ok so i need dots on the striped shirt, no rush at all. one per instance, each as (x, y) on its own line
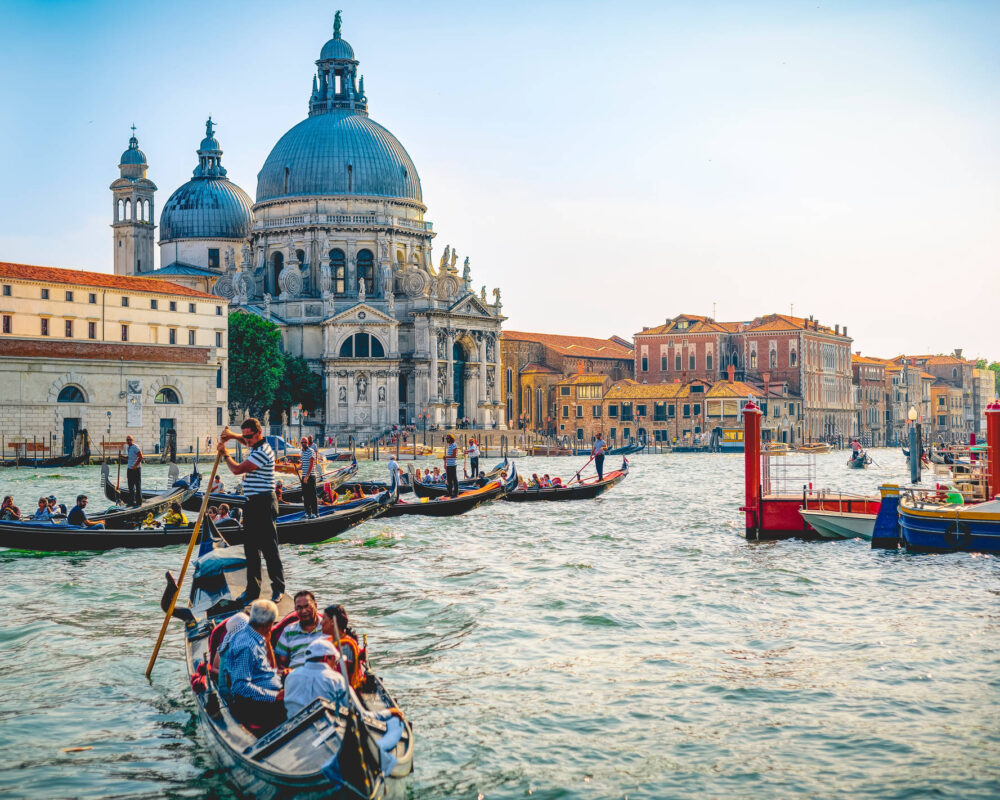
(293, 642)
(261, 480)
(308, 461)
(451, 459)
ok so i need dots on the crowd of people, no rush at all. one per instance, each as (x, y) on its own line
(48, 509)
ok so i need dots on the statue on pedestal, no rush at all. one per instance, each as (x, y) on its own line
(361, 290)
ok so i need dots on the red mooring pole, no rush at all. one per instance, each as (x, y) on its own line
(993, 449)
(751, 464)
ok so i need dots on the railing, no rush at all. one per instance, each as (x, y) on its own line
(788, 473)
(342, 219)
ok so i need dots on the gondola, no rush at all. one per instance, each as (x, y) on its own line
(421, 489)
(625, 450)
(405, 485)
(314, 754)
(453, 506)
(859, 460)
(292, 529)
(155, 503)
(584, 490)
(46, 463)
(293, 494)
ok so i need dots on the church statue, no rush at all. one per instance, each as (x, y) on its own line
(292, 253)
(267, 305)
(454, 260)
(467, 272)
(342, 394)
(245, 256)
(496, 297)
(267, 421)
(284, 419)
(482, 293)
(392, 303)
(381, 394)
(446, 257)
(361, 290)
(362, 389)
(227, 259)
(336, 25)
(325, 280)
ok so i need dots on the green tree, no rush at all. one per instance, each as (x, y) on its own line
(995, 367)
(298, 384)
(256, 363)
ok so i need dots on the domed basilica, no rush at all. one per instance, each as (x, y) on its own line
(337, 253)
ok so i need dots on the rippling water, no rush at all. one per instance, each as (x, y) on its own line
(632, 646)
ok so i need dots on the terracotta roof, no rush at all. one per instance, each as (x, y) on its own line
(856, 359)
(932, 377)
(931, 360)
(579, 346)
(737, 389)
(786, 322)
(629, 389)
(103, 280)
(113, 351)
(582, 378)
(534, 366)
(697, 324)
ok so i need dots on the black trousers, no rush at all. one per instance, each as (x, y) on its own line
(134, 478)
(599, 466)
(475, 467)
(262, 713)
(309, 495)
(451, 480)
(260, 532)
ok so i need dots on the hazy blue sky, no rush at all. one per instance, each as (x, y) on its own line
(607, 165)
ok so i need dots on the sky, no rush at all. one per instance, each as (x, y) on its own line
(608, 166)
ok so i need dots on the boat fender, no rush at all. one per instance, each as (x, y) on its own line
(958, 534)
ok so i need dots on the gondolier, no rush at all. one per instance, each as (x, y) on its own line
(309, 477)
(451, 465)
(472, 451)
(261, 510)
(133, 474)
(598, 453)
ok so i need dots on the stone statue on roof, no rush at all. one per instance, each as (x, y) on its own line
(454, 260)
(446, 256)
(467, 272)
(336, 25)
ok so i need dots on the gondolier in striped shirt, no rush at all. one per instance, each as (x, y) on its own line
(260, 530)
(598, 454)
(308, 462)
(451, 465)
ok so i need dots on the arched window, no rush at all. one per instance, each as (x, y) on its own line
(792, 357)
(277, 263)
(121, 210)
(71, 394)
(167, 396)
(366, 270)
(753, 359)
(148, 217)
(736, 359)
(128, 209)
(338, 270)
(362, 345)
(773, 359)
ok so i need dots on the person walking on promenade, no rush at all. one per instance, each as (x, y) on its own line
(308, 463)
(598, 453)
(133, 474)
(451, 465)
(261, 511)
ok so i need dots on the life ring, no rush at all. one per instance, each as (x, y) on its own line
(958, 535)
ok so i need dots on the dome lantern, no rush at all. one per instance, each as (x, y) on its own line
(335, 86)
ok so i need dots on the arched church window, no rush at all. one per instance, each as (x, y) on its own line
(338, 270)
(128, 209)
(121, 210)
(167, 396)
(277, 264)
(145, 206)
(362, 345)
(71, 394)
(366, 270)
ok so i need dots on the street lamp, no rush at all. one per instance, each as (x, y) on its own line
(914, 455)
(109, 423)
(423, 416)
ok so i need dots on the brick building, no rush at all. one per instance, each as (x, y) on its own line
(112, 354)
(798, 356)
(869, 378)
(533, 363)
(957, 372)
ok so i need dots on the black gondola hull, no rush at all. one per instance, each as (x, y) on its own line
(586, 491)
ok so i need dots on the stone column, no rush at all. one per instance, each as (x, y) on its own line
(483, 399)
(450, 355)
(432, 392)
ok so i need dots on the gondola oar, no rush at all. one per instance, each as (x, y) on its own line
(353, 711)
(187, 558)
(577, 476)
(118, 480)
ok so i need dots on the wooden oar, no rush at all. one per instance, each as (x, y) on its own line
(350, 704)
(187, 559)
(577, 476)
(118, 480)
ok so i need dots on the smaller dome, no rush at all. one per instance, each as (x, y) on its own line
(133, 155)
(209, 143)
(206, 208)
(337, 48)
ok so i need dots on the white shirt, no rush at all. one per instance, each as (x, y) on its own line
(313, 679)
(473, 451)
(394, 469)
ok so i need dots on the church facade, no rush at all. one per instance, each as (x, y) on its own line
(336, 251)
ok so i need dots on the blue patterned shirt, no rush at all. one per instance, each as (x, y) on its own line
(452, 455)
(248, 667)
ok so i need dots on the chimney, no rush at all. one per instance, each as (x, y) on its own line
(731, 372)
(836, 329)
(958, 352)
(579, 368)
(857, 353)
(845, 331)
(766, 376)
(645, 328)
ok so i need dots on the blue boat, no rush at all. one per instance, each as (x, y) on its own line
(928, 526)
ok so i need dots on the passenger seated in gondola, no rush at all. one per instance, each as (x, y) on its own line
(8, 511)
(150, 523)
(175, 517)
(350, 647)
(290, 649)
(213, 513)
(557, 483)
(218, 644)
(217, 485)
(279, 489)
(55, 507)
(78, 515)
(255, 687)
(317, 677)
(546, 481)
(42, 513)
(536, 482)
(417, 476)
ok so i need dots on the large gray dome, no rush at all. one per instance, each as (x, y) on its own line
(340, 152)
(207, 208)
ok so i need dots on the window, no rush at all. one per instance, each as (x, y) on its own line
(940, 401)
(167, 396)
(579, 433)
(614, 433)
(218, 378)
(190, 308)
(218, 416)
(589, 392)
(124, 302)
(213, 257)
(71, 394)
(92, 298)
(691, 361)
(366, 270)
(640, 410)
(626, 412)
(362, 345)
(626, 433)
(218, 338)
(173, 305)
(8, 323)
(45, 326)
(564, 391)
(670, 411)
(708, 362)
(124, 332)
(697, 388)
(663, 363)
(677, 362)
(645, 364)
(191, 337)
(792, 357)
(613, 411)
(69, 329)
(697, 409)
(338, 271)
(687, 410)
(579, 412)
(596, 411)
(941, 420)
(6, 290)
(218, 311)
(69, 297)
(154, 304)
(659, 412)
(45, 294)
(172, 336)
(91, 330)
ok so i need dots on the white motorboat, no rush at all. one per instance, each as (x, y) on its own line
(840, 524)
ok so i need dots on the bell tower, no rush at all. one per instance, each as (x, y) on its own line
(132, 215)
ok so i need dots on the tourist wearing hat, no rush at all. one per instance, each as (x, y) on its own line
(451, 465)
(317, 677)
(55, 507)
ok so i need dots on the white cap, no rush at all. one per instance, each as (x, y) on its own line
(320, 648)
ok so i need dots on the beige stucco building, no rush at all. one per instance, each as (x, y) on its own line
(114, 355)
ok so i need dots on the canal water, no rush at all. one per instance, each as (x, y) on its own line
(632, 646)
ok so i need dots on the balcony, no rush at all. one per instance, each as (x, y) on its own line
(339, 220)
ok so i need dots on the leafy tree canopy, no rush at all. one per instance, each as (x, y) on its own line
(256, 363)
(298, 384)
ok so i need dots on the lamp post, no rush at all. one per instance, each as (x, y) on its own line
(109, 423)
(914, 455)
(302, 418)
(423, 417)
